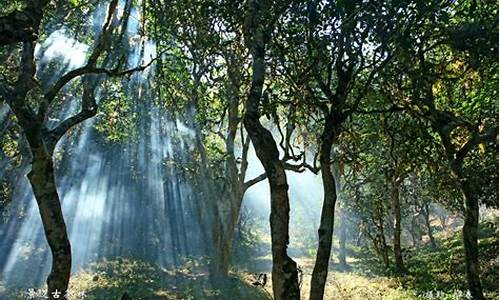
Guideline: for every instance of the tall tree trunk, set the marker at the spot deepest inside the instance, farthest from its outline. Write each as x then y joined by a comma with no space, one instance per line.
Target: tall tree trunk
428,225
284,273
325,231
385,252
470,236
42,180
230,204
471,215
396,208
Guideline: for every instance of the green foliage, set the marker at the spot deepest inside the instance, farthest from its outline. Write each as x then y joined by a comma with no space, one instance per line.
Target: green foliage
116,118
8,6
444,269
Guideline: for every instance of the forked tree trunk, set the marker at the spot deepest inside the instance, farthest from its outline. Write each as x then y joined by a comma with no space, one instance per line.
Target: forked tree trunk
284,274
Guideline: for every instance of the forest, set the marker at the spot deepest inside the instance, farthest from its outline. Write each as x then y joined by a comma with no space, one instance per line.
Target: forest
249,150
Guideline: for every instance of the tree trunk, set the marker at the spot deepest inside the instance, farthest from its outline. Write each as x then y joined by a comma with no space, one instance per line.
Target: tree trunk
284,273
385,252
223,237
470,236
43,183
471,216
325,231
428,225
415,231
396,208
383,243
342,242
230,204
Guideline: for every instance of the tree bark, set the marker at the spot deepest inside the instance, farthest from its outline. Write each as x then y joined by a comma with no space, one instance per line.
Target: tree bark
223,235
229,207
396,207
42,141
42,180
284,273
325,231
470,237
471,213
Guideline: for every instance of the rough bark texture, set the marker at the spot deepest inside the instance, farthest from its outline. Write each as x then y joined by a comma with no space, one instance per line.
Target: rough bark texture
41,143
396,208
43,183
325,231
284,272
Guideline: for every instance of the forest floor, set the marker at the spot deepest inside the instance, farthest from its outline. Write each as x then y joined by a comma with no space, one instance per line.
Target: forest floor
111,279
431,274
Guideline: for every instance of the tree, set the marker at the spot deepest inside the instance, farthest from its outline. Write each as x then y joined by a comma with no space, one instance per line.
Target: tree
331,71
25,93
443,66
259,19
212,67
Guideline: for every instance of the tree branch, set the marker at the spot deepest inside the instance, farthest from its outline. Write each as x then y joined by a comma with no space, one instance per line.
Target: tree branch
477,139
88,69
89,105
253,181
